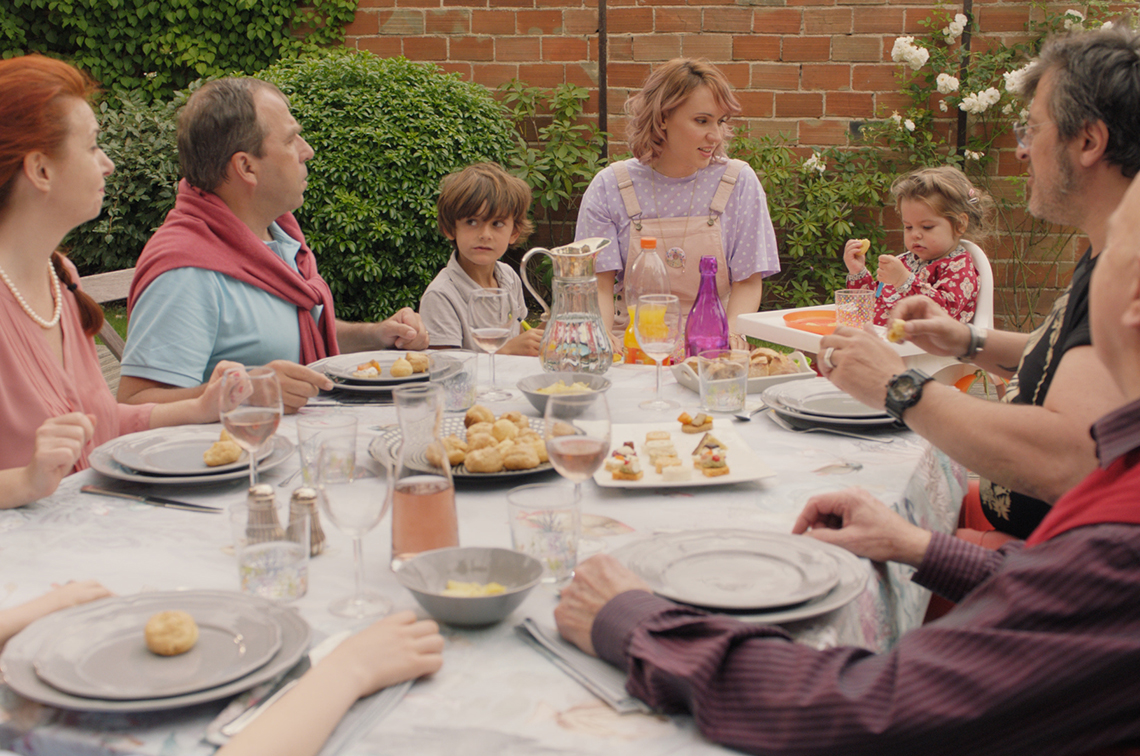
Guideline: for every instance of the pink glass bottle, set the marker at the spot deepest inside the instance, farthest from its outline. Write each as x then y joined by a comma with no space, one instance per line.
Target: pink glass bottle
707,326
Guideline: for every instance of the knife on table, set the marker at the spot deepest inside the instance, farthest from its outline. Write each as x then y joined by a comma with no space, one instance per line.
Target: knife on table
158,501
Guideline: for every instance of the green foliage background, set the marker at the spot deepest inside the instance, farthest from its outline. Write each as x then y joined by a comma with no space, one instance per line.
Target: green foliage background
159,46
385,132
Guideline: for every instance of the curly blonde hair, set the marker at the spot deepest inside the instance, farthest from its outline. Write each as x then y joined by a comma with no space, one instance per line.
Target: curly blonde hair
948,192
664,91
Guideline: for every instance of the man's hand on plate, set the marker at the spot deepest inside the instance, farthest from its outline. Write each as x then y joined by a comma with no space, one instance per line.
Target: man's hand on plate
404,330
596,581
298,384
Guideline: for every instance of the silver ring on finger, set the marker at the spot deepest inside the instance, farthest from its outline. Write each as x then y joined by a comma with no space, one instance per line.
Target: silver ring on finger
827,363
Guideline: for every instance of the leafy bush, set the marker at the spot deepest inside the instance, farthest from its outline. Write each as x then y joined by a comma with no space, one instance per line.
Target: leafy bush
385,132
159,47
817,203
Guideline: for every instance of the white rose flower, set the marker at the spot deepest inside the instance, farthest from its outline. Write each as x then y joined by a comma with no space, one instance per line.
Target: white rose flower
1106,25
971,155
943,106
814,163
946,83
909,124
955,28
896,118
1015,80
905,51
1074,20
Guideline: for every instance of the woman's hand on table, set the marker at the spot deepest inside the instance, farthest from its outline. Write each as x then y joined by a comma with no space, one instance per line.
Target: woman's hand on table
59,442
860,523
860,362
596,581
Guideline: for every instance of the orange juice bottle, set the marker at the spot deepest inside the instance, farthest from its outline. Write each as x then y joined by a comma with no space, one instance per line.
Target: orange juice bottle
633,353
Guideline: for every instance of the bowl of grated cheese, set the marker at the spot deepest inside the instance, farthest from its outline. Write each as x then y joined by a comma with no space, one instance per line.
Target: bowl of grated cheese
470,585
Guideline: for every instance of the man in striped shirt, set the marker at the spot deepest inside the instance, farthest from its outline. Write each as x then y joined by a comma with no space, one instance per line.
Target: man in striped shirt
1041,656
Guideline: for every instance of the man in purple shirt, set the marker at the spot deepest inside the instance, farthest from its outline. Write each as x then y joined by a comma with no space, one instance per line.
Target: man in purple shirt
1041,655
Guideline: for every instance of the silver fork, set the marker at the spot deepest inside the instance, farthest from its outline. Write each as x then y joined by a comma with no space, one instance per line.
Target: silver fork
774,417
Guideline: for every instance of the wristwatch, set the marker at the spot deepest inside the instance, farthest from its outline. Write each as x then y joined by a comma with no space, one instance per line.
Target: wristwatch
903,392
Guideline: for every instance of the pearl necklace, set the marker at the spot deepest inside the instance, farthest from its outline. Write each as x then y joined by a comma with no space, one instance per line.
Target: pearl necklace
24,305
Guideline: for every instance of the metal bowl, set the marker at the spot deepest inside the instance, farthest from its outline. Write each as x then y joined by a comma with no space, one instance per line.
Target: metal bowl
426,576
530,385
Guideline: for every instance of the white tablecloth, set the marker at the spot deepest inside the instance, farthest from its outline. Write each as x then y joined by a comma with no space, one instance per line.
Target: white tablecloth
494,695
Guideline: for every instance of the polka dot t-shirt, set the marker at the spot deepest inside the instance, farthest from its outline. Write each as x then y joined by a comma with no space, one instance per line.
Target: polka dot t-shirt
746,227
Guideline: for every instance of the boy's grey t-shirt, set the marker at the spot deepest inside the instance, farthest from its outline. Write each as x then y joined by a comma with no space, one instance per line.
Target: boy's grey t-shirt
443,307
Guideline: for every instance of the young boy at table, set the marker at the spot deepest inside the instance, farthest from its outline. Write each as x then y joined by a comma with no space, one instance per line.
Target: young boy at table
939,207
482,210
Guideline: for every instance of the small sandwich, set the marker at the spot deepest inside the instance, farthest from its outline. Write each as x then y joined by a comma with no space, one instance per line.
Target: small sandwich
708,441
712,462
629,469
702,423
619,456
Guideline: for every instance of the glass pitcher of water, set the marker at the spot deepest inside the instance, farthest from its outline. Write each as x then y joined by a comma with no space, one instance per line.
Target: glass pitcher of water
575,339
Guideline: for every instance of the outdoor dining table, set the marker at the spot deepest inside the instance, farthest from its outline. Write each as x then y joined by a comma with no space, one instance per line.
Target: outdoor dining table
495,694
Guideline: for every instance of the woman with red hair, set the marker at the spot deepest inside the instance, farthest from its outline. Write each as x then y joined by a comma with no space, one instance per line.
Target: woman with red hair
55,406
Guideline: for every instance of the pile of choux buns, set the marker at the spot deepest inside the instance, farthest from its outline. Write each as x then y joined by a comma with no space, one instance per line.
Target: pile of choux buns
493,444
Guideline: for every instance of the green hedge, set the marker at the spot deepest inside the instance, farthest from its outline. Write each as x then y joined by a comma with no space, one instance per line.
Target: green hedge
156,47
385,132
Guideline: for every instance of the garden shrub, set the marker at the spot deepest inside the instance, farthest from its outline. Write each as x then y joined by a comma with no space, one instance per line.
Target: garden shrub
385,132
160,47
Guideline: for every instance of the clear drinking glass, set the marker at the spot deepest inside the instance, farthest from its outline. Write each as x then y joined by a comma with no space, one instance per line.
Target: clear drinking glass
657,326
490,313
355,498
250,409
577,435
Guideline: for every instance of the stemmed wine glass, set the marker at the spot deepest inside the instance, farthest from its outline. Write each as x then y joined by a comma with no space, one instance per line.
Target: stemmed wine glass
490,312
577,435
250,409
355,499
657,325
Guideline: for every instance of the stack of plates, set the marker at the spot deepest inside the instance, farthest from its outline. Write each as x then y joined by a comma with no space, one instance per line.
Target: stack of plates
165,456
340,371
759,576
818,401
93,657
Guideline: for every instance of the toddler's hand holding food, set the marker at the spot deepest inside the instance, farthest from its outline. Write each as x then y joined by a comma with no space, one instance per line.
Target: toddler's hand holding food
855,255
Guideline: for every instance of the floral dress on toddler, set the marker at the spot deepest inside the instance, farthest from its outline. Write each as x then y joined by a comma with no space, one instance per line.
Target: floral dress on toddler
951,281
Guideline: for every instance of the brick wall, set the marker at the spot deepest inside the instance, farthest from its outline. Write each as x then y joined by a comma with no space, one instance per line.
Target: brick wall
804,68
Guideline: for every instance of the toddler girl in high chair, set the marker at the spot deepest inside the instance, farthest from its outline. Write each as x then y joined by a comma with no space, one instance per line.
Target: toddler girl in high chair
939,207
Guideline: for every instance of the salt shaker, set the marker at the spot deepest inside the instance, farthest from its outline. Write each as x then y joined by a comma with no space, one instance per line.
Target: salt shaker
262,504
304,500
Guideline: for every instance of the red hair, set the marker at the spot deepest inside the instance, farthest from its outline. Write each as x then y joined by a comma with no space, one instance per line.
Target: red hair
34,95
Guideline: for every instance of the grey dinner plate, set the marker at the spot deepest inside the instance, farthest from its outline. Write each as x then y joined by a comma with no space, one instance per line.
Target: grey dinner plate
389,443
102,461
176,452
822,398
101,652
805,418
342,366
733,569
17,659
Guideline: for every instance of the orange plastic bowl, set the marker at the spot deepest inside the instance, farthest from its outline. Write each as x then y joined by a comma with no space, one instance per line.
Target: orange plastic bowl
814,321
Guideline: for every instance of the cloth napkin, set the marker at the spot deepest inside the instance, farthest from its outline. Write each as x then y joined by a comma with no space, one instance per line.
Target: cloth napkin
598,677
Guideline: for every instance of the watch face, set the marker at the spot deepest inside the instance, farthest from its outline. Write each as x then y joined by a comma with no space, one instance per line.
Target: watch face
903,388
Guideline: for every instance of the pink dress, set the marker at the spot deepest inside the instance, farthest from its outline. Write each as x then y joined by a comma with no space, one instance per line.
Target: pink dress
36,386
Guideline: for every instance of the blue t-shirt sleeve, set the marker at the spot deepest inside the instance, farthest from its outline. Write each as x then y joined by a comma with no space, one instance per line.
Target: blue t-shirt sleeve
173,326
